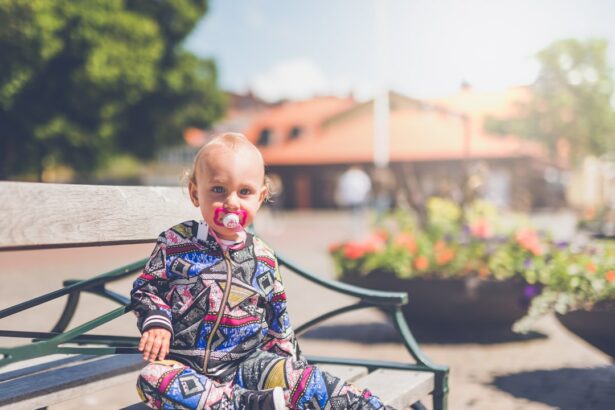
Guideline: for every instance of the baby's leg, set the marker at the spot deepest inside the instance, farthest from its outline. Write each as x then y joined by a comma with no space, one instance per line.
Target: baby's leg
305,386
168,384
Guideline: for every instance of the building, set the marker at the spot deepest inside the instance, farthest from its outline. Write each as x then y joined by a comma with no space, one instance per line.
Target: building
436,147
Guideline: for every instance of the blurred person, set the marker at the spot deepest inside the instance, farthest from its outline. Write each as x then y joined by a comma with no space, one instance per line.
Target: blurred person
352,192
211,304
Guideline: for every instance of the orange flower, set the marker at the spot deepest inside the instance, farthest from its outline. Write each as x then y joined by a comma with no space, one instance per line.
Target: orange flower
421,263
591,267
444,254
610,276
481,229
382,234
529,240
407,241
483,271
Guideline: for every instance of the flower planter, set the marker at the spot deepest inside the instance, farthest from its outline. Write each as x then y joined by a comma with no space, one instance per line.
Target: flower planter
594,326
455,307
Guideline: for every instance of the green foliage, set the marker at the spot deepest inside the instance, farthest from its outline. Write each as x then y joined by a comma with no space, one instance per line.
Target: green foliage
477,246
80,81
574,278
454,243
480,245
571,99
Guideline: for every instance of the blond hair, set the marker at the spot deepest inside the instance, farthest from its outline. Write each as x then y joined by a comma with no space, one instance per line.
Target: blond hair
233,141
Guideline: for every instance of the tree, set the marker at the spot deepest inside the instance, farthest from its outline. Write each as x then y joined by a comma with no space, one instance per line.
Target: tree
82,80
571,100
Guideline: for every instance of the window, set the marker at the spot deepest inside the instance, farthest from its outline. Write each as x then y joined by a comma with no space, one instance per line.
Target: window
264,138
295,133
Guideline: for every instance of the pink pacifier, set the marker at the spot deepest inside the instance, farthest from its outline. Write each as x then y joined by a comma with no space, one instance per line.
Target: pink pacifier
234,220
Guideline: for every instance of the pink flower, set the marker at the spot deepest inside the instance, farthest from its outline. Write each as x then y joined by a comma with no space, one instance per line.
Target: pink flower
529,240
481,229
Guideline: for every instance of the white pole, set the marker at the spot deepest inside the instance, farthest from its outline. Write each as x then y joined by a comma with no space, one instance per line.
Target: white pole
381,112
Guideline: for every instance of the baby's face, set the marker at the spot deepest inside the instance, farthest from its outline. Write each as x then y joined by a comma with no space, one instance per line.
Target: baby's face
231,180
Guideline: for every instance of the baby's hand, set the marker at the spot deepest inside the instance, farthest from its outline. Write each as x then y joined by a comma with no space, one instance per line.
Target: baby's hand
155,343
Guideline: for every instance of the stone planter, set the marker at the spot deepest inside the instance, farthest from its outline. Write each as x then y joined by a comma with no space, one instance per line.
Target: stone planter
595,326
455,307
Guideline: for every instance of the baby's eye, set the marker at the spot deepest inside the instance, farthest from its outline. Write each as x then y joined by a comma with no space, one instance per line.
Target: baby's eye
245,191
217,189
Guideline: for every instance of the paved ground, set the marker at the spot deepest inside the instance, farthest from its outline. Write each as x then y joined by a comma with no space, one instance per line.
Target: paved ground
553,370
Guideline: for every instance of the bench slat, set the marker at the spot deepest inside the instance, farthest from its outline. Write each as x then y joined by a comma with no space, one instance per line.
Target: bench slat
398,388
52,385
348,373
36,216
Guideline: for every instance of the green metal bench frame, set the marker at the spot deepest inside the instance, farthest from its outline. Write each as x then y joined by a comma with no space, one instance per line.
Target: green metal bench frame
47,343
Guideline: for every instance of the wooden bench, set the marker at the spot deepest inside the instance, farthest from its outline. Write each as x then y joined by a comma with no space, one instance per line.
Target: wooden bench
40,216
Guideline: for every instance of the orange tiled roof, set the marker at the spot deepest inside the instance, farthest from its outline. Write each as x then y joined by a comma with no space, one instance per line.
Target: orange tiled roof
341,131
308,115
413,137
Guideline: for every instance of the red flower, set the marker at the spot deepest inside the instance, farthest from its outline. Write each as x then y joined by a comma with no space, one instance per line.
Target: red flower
354,250
610,276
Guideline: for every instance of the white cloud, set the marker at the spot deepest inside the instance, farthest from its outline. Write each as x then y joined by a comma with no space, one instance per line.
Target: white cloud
293,79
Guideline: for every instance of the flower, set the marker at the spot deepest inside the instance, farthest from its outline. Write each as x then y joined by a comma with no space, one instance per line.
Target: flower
481,229
444,254
573,278
406,241
354,250
473,242
421,263
529,240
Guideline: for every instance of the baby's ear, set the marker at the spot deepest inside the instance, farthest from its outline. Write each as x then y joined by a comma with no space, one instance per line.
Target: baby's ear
192,189
264,194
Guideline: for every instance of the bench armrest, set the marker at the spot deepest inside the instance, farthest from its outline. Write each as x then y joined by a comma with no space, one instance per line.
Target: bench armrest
368,296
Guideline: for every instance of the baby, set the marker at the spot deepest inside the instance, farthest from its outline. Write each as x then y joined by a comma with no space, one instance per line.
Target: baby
211,300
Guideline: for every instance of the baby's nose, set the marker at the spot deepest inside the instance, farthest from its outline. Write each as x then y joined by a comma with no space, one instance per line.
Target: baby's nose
232,202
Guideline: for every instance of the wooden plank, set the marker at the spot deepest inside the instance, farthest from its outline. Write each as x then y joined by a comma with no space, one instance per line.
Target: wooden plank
53,385
78,391
398,388
39,215
46,365
344,372
136,406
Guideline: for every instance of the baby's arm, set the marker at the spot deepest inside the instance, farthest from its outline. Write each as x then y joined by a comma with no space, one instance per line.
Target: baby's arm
153,313
280,338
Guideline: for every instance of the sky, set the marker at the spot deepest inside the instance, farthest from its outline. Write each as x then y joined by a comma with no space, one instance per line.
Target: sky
422,48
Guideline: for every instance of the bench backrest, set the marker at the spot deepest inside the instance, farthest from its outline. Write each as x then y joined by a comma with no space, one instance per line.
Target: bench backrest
36,216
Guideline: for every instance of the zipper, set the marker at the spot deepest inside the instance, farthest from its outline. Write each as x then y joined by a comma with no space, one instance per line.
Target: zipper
227,292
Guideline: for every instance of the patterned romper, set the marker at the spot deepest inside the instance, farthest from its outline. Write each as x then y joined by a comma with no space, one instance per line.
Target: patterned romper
231,332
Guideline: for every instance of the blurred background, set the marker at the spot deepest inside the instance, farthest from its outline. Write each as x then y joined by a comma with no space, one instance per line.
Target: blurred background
509,101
